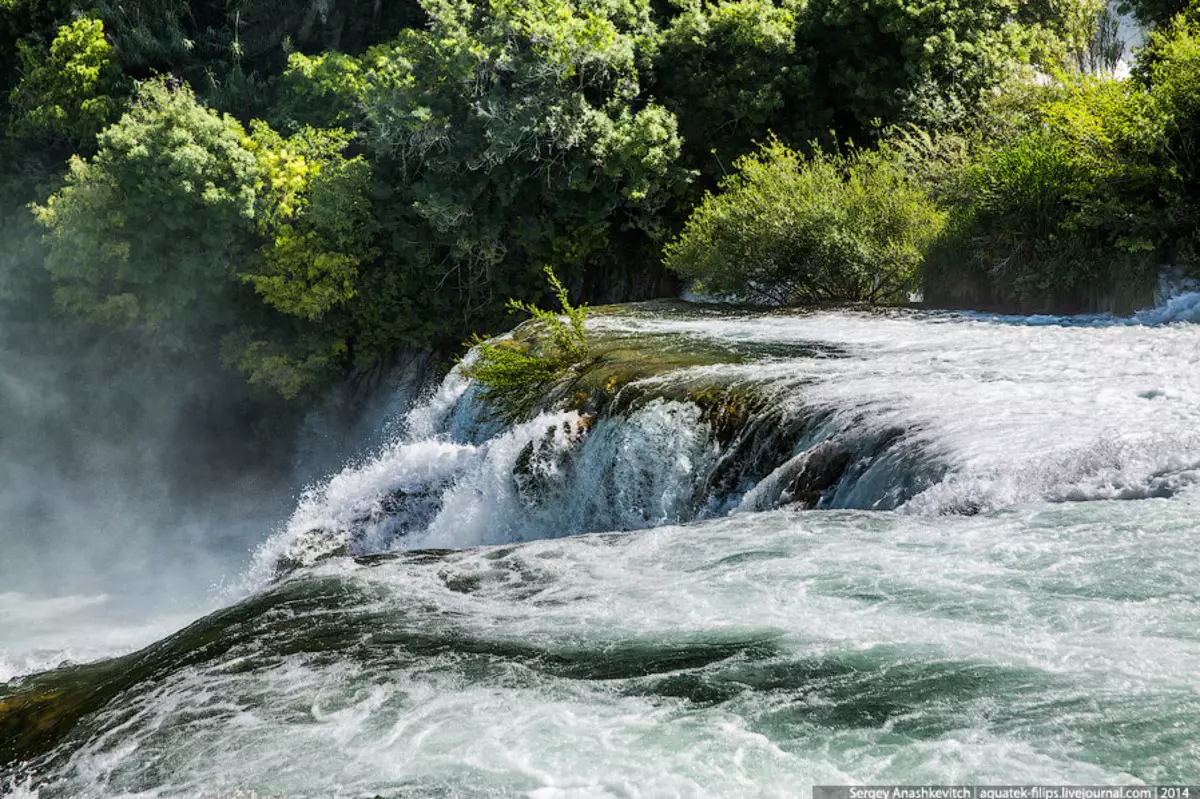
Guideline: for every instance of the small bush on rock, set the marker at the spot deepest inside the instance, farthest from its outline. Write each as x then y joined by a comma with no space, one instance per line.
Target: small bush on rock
516,374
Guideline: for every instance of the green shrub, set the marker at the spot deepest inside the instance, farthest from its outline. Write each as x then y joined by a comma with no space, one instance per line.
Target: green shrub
1010,227
1045,222
517,373
788,229
1172,69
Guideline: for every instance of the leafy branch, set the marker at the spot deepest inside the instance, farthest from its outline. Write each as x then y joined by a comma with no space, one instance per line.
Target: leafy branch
516,374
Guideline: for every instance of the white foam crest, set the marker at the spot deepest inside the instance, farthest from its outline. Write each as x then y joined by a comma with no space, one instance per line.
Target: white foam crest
1152,467
432,417
1036,410
353,512
554,475
19,790
1179,308
625,474
1046,642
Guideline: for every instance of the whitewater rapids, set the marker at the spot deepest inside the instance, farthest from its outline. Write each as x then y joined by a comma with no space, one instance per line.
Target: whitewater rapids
997,587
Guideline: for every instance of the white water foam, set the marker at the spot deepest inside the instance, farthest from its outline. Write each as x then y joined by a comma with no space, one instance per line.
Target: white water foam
1046,643
1012,411
545,478
1068,409
1028,642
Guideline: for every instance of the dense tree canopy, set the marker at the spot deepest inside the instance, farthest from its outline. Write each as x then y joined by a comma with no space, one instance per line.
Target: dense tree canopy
298,189
181,204
70,92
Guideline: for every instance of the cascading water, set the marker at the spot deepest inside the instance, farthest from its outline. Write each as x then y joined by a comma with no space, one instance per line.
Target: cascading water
839,546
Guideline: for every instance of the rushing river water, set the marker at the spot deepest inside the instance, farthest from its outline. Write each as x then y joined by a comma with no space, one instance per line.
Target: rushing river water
936,548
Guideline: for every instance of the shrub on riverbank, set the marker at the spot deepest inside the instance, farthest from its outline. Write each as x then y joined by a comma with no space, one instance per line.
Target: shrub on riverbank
1031,231
788,229
1068,204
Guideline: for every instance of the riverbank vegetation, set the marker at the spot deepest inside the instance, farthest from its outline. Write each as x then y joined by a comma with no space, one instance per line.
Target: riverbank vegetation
283,194
516,373
787,230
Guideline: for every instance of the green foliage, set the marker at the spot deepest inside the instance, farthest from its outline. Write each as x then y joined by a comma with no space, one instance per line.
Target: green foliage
1174,78
507,134
289,368
898,60
180,206
68,92
516,374
325,89
788,229
1153,13
148,233
1062,214
316,219
833,71
1072,35
728,70
402,190
1012,226
213,44
27,23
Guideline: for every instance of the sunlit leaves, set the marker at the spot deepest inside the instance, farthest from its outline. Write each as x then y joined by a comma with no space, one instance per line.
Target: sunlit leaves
69,91
788,229
515,375
181,205
149,231
315,215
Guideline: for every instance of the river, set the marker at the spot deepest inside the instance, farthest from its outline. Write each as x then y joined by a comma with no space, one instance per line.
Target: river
905,547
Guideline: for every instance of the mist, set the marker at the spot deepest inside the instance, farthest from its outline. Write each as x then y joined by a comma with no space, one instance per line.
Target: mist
129,491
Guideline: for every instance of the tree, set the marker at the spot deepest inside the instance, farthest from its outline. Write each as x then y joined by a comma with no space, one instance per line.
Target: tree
729,72
507,134
315,216
216,43
180,207
148,233
931,61
1153,13
72,91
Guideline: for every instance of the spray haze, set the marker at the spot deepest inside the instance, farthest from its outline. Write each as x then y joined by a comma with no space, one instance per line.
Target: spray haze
126,484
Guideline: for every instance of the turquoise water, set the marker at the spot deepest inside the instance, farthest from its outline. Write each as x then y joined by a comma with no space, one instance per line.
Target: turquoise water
1000,588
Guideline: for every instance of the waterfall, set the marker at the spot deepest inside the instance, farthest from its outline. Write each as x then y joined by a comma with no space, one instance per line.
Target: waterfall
777,550
927,413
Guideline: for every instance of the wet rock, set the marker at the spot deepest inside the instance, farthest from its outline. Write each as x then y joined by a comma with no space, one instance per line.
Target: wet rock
545,465
822,469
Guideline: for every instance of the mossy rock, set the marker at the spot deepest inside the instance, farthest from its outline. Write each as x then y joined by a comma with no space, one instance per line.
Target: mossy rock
38,712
